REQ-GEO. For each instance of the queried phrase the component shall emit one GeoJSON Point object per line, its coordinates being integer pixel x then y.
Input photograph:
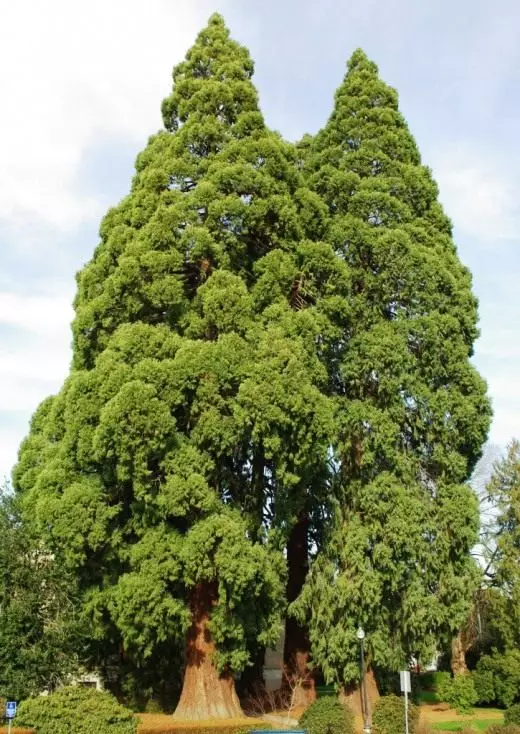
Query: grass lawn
{"type": "Point", "coordinates": [442, 718]}
{"type": "Point", "coordinates": [477, 724]}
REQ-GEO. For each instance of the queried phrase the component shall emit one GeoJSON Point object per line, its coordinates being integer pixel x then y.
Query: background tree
{"type": "Point", "coordinates": [411, 410]}
{"type": "Point", "coordinates": [494, 617]}
{"type": "Point", "coordinates": [40, 630]}
{"type": "Point", "coordinates": [168, 471]}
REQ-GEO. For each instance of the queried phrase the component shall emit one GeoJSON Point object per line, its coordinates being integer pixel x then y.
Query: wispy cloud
{"type": "Point", "coordinates": [70, 72]}
{"type": "Point", "coordinates": [480, 194]}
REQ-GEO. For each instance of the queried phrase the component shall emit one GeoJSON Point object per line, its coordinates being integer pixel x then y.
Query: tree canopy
{"type": "Point", "coordinates": [268, 337]}
{"type": "Point", "coordinates": [164, 471]}
{"type": "Point", "coordinates": [40, 629]}
{"type": "Point", "coordinates": [412, 411]}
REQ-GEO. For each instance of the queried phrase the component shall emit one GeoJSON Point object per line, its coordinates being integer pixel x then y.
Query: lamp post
{"type": "Point", "coordinates": [360, 634]}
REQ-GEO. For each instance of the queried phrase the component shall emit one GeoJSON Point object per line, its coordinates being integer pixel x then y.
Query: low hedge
{"type": "Point", "coordinates": [512, 715]}
{"type": "Point", "coordinates": [327, 716]}
{"type": "Point", "coordinates": [503, 729]}
{"type": "Point", "coordinates": [166, 725]}
{"type": "Point", "coordinates": [459, 692]}
{"type": "Point", "coordinates": [76, 710]}
{"type": "Point", "coordinates": [388, 716]}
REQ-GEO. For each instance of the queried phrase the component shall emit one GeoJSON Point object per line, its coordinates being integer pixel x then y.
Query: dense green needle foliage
{"type": "Point", "coordinates": [267, 334]}
{"type": "Point", "coordinates": [327, 716]}
{"type": "Point", "coordinates": [78, 710]}
{"type": "Point", "coordinates": [504, 558]}
{"type": "Point", "coordinates": [193, 411]}
{"type": "Point", "coordinates": [412, 411]}
{"type": "Point", "coordinates": [40, 632]}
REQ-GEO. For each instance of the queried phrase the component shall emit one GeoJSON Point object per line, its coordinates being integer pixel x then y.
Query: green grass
{"type": "Point", "coordinates": [477, 724]}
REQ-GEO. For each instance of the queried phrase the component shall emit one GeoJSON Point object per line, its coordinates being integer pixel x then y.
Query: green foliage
{"type": "Point", "coordinates": [174, 728]}
{"type": "Point", "coordinates": [459, 692]}
{"type": "Point", "coordinates": [182, 445]}
{"type": "Point", "coordinates": [497, 678]}
{"type": "Point", "coordinates": [412, 411]}
{"type": "Point", "coordinates": [389, 713]}
{"type": "Point", "coordinates": [503, 729]}
{"type": "Point", "coordinates": [504, 566]}
{"type": "Point", "coordinates": [266, 332]}
{"type": "Point", "coordinates": [466, 727]}
{"type": "Point", "coordinates": [431, 680]}
{"type": "Point", "coordinates": [327, 716]}
{"type": "Point", "coordinates": [76, 709]}
{"type": "Point", "coordinates": [40, 633]}
{"type": "Point", "coordinates": [512, 715]}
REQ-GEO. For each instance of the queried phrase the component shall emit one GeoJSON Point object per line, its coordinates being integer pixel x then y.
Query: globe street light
{"type": "Point", "coordinates": [360, 634]}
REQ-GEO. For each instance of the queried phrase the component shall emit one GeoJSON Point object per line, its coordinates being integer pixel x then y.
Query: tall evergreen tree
{"type": "Point", "coordinates": [412, 411]}
{"type": "Point", "coordinates": [167, 471]}
{"type": "Point", "coordinates": [503, 551]}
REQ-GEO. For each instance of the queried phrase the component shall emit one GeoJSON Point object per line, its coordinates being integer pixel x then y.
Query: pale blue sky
{"type": "Point", "coordinates": [81, 87]}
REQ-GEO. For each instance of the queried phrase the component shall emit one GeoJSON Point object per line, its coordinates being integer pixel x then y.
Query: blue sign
{"type": "Point", "coordinates": [10, 709]}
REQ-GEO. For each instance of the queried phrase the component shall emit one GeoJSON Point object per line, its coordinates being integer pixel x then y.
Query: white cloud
{"type": "Point", "coordinates": [72, 71]}
{"type": "Point", "coordinates": [480, 197]}
{"type": "Point", "coordinates": [35, 351]}
{"type": "Point", "coordinates": [72, 74]}
{"type": "Point", "coordinates": [38, 314]}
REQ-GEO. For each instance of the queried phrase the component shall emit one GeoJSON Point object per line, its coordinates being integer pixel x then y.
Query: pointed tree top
{"type": "Point", "coordinates": [214, 59]}
{"type": "Point", "coordinates": [360, 61]}
{"type": "Point", "coordinates": [217, 19]}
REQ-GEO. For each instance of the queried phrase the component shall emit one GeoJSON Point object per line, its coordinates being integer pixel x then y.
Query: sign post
{"type": "Point", "coordinates": [406, 688]}
{"type": "Point", "coordinates": [10, 713]}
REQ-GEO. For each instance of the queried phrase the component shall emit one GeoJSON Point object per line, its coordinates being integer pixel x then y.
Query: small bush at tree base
{"type": "Point", "coordinates": [76, 710]}
{"type": "Point", "coordinates": [388, 716]}
{"type": "Point", "coordinates": [497, 678]}
{"type": "Point", "coordinates": [512, 715]}
{"type": "Point", "coordinates": [460, 693]}
{"type": "Point", "coordinates": [327, 716]}
{"type": "Point", "coordinates": [503, 729]}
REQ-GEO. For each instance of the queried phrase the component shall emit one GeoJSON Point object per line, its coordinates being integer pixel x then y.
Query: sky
{"type": "Point", "coordinates": [81, 86]}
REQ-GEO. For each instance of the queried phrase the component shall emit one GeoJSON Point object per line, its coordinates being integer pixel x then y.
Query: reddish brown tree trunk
{"type": "Point", "coordinates": [205, 693]}
{"type": "Point", "coordinates": [298, 679]}
{"type": "Point", "coordinates": [458, 655]}
{"type": "Point", "coordinates": [352, 697]}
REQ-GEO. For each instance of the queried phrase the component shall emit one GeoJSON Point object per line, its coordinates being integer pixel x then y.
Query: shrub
{"type": "Point", "coordinates": [512, 715]}
{"type": "Point", "coordinates": [460, 693]}
{"type": "Point", "coordinates": [76, 710]}
{"type": "Point", "coordinates": [431, 680]}
{"type": "Point", "coordinates": [497, 678]}
{"type": "Point", "coordinates": [327, 716]}
{"type": "Point", "coordinates": [388, 716]}
{"type": "Point", "coordinates": [165, 724]}
{"type": "Point", "coordinates": [503, 729]}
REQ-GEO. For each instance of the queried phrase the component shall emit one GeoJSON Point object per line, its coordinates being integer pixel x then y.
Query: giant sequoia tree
{"type": "Point", "coordinates": [265, 360]}
{"type": "Point", "coordinates": [166, 472]}
{"type": "Point", "coordinates": [412, 411]}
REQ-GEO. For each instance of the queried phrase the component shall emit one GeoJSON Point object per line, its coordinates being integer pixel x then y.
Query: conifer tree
{"type": "Point", "coordinates": [503, 558]}
{"type": "Point", "coordinates": [412, 411]}
{"type": "Point", "coordinates": [167, 472]}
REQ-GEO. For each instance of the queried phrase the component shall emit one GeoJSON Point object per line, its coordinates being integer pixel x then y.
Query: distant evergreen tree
{"type": "Point", "coordinates": [40, 633]}
{"type": "Point", "coordinates": [168, 470]}
{"type": "Point", "coordinates": [412, 411]}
